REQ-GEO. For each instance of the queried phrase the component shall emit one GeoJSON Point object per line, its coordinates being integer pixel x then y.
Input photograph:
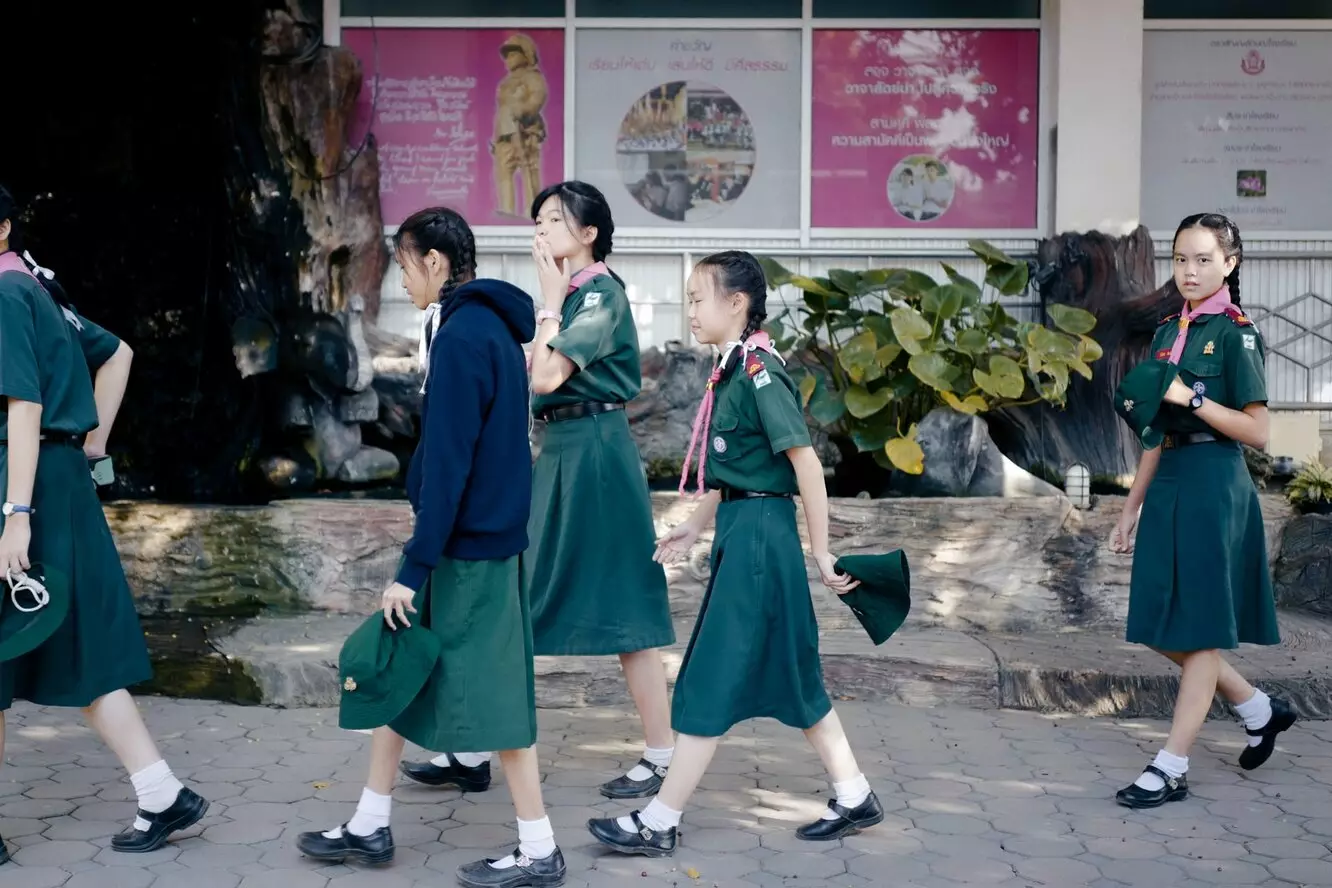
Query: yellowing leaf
{"type": "Point", "coordinates": [807, 386]}
{"type": "Point", "coordinates": [1077, 321]}
{"type": "Point", "coordinates": [906, 455]}
{"type": "Point", "coordinates": [692, 873]}
{"type": "Point", "coordinates": [321, 785]}
{"type": "Point", "coordinates": [970, 405]}
{"type": "Point", "coordinates": [861, 402]}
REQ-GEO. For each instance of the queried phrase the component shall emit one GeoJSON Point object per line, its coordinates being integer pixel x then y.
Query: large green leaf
{"type": "Point", "coordinates": [991, 254]}
{"type": "Point", "coordinates": [827, 407]}
{"type": "Point", "coordinates": [910, 327]}
{"type": "Point", "coordinates": [971, 290]}
{"type": "Point", "coordinates": [944, 301]}
{"type": "Point", "coordinates": [846, 281]}
{"type": "Point", "coordinates": [885, 356]}
{"type": "Point", "coordinates": [882, 327]}
{"type": "Point", "coordinates": [1089, 350]}
{"type": "Point", "coordinates": [1050, 344]}
{"type": "Point", "coordinates": [1008, 279]}
{"type": "Point", "coordinates": [857, 355]}
{"type": "Point", "coordinates": [776, 273]}
{"type": "Point", "coordinates": [1004, 378]}
{"type": "Point", "coordinates": [813, 285]}
{"type": "Point", "coordinates": [872, 432]}
{"type": "Point", "coordinates": [1077, 321]}
{"type": "Point", "coordinates": [807, 386]}
{"type": "Point", "coordinates": [933, 369]}
{"type": "Point", "coordinates": [909, 285]}
{"type": "Point", "coordinates": [860, 402]}
{"type": "Point", "coordinates": [972, 341]}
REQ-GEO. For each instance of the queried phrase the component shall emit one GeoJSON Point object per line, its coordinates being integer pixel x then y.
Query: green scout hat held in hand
{"type": "Point", "coordinates": [34, 605]}
{"type": "Point", "coordinates": [1140, 395]}
{"type": "Point", "coordinates": [382, 670]}
{"type": "Point", "coordinates": [883, 598]}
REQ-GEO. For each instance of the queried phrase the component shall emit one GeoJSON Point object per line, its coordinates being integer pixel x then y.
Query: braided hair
{"type": "Point", "coordinates": [442, 229]}
{"type": "Point", "coordinates": [736, 271]}
{"type": "Point", "coordinates": [1227, 237]}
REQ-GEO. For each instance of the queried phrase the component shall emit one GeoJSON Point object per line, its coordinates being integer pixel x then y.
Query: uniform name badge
{"type": "Point", "coordinates": [761, 379]}
{"type": "Point", "coordinates": [593, 299]}
{"type": "Point", "coordinates": [1250, 341]}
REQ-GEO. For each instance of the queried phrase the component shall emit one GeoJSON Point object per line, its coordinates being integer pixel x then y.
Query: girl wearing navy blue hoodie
{"type": "Point", "coordinates": [470, 489]}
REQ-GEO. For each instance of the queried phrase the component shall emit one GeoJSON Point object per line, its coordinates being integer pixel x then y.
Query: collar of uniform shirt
{"type": "Point", "coordinates": [1214, 304]}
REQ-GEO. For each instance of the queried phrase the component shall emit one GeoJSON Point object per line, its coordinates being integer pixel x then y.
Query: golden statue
{"type": "Point", "coordinates": [519, 127]}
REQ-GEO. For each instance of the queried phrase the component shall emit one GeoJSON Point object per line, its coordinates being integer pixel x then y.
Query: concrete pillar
{"type": "Point", "coordinates": [1098, 114]}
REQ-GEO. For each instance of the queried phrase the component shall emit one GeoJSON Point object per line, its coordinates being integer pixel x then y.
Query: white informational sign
{"type": "Point", "coordinates": [1238, 122]}
{"type": "Point", "coordinates": [691, 128]}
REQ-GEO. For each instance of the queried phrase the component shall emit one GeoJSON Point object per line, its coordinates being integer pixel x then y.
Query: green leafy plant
{"type": "Point", "coordinates": [1311, 489]}
{"type": "Point", "coordinates": [884, 347]}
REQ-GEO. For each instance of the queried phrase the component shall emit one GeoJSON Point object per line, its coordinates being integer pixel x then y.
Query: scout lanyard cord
{"type": "Point", "coordinates": [22, 582]}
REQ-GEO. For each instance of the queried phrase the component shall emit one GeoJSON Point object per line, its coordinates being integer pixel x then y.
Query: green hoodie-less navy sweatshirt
{"type": "Point", "coordinates": [470, 479]}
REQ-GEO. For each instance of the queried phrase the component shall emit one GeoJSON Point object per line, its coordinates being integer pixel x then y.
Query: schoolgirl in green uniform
{"type": "Point", "coordinates": [460, 572]}
{"type": "Point", "coordinates": [62, 378]}
{"type": "Point", "coordinates": [594, 585]}
{"type": "Point", "coordinates": [1200, 580]}
{"type": "Point", "coordinates": [755, 648]}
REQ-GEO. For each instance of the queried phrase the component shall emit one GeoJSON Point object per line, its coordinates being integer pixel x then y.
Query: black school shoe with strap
{"type": "Point", "coordinates": [1176, 789]}
{"type": "Point", "coordinates": [1283, 717]}
{"type": "Point", "coordinates": [4, 852]}
{"type": "Point", "coordinates": [374, 849]}
{"type": "Point", "coordinates": [646, 841]}
{"type": "Point", "coordinates": [467, 779]}
{"type": "Point", "coordinates": [848, 820]}
{"type": "Point", "coordinates": [548, 872]}
{"type": "Point", "coordinates": [187, 810]}
{"type": "Point", "coordinates": [625, 788]}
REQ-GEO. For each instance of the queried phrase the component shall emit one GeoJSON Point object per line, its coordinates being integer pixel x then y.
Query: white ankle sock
{"type": "Point", "coordinates": [157, 789]}
{"type": "Point", "coordinates": [1174, 765]}
{"type": "Point", "coordinates": [659, 757]}
{"type": "Point", "coordinates": [850, 794]}
{"type": "Point", "coordinates": [372, 813]}
{"type": "Point", "coordinates": [466, 759]}
{"type": "Point", "coordinates": [536, 839]}
{"type": "Point", "coordinates": [1256, 712]}
{"type": "Point", "coordinates": [655, 816]}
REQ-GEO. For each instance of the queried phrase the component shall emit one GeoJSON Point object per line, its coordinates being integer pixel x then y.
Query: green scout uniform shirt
{"type": "Point", "coordinates": [755, 420]}
{"type": "Point", "coordinates": [597, 333]}
{"type": "Point", "coordinates": [1225, 354]}
{"type": "Point", "coordinates": [48, 355]}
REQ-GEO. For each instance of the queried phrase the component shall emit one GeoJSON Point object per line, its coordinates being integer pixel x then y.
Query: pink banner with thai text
{"type": "Point", "coordinates": [467, 118]}
{"type": "Point", "coordinates": [925, 129]}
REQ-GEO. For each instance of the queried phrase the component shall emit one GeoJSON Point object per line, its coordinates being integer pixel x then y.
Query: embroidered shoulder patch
{"type": "Point", "coordinates": [593, 299]}
{"type": "Point", "coordinates": [753, 364]}
{"type": "Point", "coordinates": [1163, 354]}
{"type": "Point", "coordinates": [1236, 314]}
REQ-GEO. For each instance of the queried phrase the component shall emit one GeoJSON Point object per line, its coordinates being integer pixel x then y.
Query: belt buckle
{"type": "Point", "coordinates": [1169, 443]}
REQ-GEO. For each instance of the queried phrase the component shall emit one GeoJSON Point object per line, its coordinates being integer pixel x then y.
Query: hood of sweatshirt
{"type": "Point", "coordinates": [509, 302]}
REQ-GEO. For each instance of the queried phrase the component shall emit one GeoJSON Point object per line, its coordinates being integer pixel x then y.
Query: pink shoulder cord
{"type": "Point", "coordinates": [703, 419]}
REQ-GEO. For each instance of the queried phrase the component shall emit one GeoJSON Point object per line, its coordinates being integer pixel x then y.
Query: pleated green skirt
{"type": "Point", "coordinates": [481, 695]}
{"type": "Point", "coordinates": [594, 586]}
{"type": "Point", "coordinates": [755, 649]}
{"type": "Point", "coordinates": [1200, 576]}
{"type": "Point", "coordinates": [100, 646]}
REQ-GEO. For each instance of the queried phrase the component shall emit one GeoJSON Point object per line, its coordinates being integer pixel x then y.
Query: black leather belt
{"type": "Point", "coordinates": [55, 438]}
{"type": "Point", "coordinates": [577, 411]}
{"type": "Point", "coordinates": [1176, 440]}
{"type": "Point", "coordinates": [729, 494]}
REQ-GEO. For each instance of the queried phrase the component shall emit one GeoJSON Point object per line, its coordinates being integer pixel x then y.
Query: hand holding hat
{"type": "Point", "coordinates": [33, 606]}
{"type": "Point", "coordinates": [1139, 397]}
{"type": "Point", "coordinates": [882, 598]}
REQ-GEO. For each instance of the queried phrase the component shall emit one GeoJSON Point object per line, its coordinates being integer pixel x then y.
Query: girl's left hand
{"type": "Point", "coordinates": [1178, 393]}
{"type": "Point", "coordinates": [553, 274]}
{"type": "Point", "coordinates": [838, 582]}
{"type": "Point", "coordinates": [397, 601]}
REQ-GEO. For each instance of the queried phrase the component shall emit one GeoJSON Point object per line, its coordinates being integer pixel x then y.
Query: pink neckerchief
{"type": "Point", "coordinates": [10, 261]}
{"type": "Point", "coordinates": [703, 419]}
{"type": "Point", "coordinates": [1215, 304]}
{"type": "Point", "coordinates": [582, 277]}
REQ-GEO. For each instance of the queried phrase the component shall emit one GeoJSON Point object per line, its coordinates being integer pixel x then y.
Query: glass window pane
{"type": "Point", "coordinates": [452, 8]}
{"type": "Point", "coordinates": [691, 128]}
{"type": "Point", "coordinates": [686, 9]}
{"type": "Point", "coordinates": [914, 9]}
{"type": "Point", "coordinates": [1237, 9]}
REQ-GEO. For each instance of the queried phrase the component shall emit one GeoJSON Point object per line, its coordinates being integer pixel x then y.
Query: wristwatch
{"type": "Point", "coordinates": [547, 315]}
{"type": "Point", "coordinates": [14, 508]}
{"type": "Point", "coordinates": [1196, 401]}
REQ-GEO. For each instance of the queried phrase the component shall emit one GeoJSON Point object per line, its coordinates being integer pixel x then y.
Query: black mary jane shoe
{"type": "Point", "coordinates": [467, 779]}
{"type": "Point", "coordinates": [548, 872]}
{"type": "Point", "coordinates": [4, 853]}
{"type": "Point", "coordinates": [1176, 789]}
{"type": "Point", "coordinates": [1282, 719]}
{"type": "Point", "coordinates": [625, 788]}
{"type": "Point", "coordinates": [849, 820]}
{"type": "Point", "coordinates": [375, 849]}
{"type": "Point", "coordinates": [646, 841]}
{"type": "Point", "coordinates": [187, 810]}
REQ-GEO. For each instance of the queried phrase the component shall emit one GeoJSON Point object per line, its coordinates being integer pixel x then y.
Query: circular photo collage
{"type": "Point", "coordinates": [686, 151]}
{"type": "Point", "coordinates": [920, 188]}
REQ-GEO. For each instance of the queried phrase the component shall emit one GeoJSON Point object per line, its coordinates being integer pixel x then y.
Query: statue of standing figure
{"type": "Point", "coordinates": [520, 129]}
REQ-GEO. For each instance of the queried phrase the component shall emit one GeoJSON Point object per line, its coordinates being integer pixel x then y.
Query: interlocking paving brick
{"type": "Point", "coordinates": [974, 798]}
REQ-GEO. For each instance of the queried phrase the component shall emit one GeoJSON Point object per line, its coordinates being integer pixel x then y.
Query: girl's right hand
{"type": "Point", "coordinates": [1121, 538]}
{"type": "Point", "coordinates": [676, 544]}
{"type": "Point", "coordinates": [14, 544]}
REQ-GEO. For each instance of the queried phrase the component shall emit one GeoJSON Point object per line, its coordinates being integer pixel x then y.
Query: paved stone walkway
{"type": "Point", "coordinates": [976, 798]}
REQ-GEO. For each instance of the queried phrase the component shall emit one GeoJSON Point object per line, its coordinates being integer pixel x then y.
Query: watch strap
{"type": "Point", "coordinates": [547, 315]}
